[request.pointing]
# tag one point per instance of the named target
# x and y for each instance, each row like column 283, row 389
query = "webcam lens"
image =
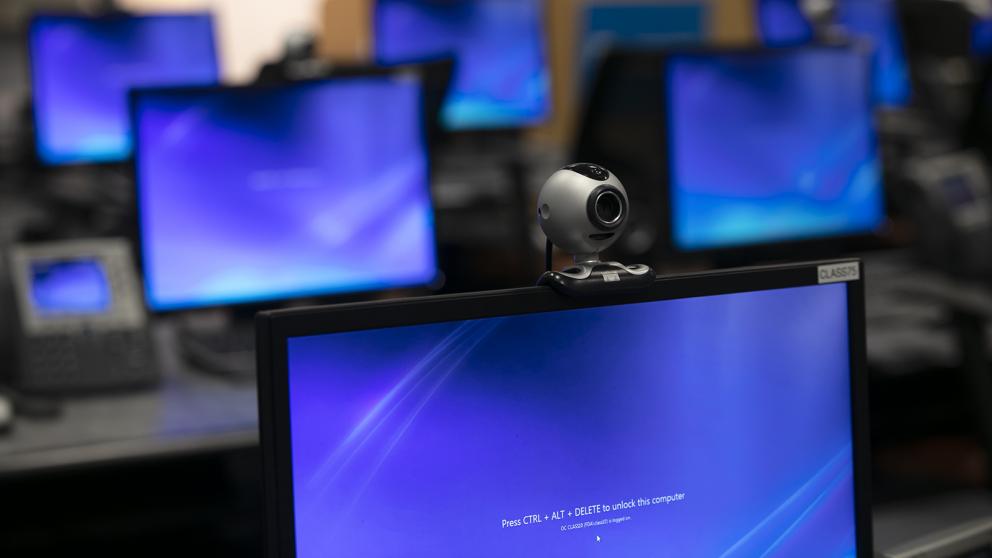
column 609, row 207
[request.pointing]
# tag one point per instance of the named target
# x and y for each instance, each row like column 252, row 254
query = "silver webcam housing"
column 583, row 209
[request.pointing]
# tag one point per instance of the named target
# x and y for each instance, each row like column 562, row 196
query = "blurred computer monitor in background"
column 771, row 146
column 83, row 67
column 981, row 37
column 267, row 193
column 878, row 21
column 607, row 25
column 501, row 77
column 782, row 22
column 736, row 155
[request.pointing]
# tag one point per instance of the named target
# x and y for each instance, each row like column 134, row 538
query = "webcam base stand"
column 598, row 278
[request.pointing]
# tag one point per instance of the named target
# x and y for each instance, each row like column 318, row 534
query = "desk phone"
column 80, row 321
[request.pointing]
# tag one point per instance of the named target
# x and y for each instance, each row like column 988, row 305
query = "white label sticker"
column 611, row 277
column 836, row 273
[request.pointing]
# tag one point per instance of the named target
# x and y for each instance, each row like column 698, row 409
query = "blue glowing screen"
column 275, row 193
column 770, row 147
column 501, row 76
column 63, row 287
column 637, row 25
column 878, row 21
column 981, row 37
column 782, row 22
column 83, row 68
column 711, row 426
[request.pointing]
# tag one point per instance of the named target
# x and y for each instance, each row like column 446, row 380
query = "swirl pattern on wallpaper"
column 82, row 69
column 714, row 426
column 501, row 77
column 771, row 147
column 275, row 193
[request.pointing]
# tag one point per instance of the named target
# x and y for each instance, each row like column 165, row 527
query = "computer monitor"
column 878, row 21
column 608, row 25
column 706, row 415
column 501, row 77
column 981, row 37
column 82, row 69
column 258, row 194
column 783, row 22
column 770, row 146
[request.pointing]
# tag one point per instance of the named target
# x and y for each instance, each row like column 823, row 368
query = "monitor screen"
column 878, row 21
column 771, row 146
column 261, row 194
column 782, row 22
column 66, row 287
column 82, row 69
column 981, row 37
column 501, row 78
column 682, row 427
column 608, row 26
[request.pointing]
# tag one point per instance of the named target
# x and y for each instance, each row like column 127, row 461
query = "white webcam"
column 583, row 209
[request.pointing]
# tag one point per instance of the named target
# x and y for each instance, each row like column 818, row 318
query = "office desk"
column 187, row 412
column 898, row 523
column 909, row 311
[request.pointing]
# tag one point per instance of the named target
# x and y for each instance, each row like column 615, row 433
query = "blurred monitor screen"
column 981, row 37
column 782, row 22
column 724, row 430
column 501, row 78
column 64, row 287
column 771, row 146
column 82, row 69
column 878, row 21
column 262, row 194
column 612, row 25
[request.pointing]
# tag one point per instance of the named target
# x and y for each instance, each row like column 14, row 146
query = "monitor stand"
column 218, row 342
column 98, row 198
column 481, row 194
column 85, row 184
column 469, row 166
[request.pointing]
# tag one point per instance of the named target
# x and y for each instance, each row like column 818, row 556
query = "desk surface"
column 898, row 523
column 187, row 412
column 907, row 313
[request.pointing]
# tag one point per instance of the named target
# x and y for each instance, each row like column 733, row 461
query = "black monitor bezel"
column 111, row 163
column 348, row 73
column 657, row 174
column 511, row 130
column 274, row 328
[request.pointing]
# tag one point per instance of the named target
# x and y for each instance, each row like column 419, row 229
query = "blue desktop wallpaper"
column 274, row 193
column 607, row 26
column 782, row 22
column 878, row 21
column 717, row 426
column 501, row 78
column 69, row 287
column 981, row 37
column 82, row 70
column 771, row 147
